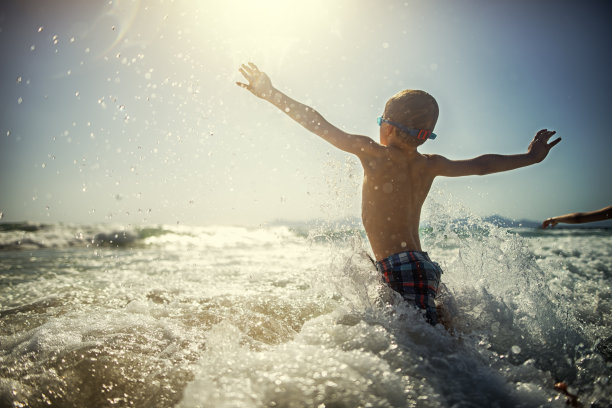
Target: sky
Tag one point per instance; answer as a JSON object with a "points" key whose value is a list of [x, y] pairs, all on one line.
{"points": [[127, 111]]}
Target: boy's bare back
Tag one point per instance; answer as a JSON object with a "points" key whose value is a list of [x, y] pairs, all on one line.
{"points": [[395, 184], [397, 178]]}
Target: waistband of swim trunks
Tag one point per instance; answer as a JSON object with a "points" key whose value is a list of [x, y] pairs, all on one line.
{"points": [[403, 257]]}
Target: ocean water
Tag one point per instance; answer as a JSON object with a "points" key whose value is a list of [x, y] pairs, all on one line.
{"points": [[296, 316]]}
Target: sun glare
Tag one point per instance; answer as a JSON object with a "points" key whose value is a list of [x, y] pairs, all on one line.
{"points": [[269, 23], [271, 17], [263, 30]]}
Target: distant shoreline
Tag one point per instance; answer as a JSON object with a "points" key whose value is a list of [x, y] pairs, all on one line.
{"points": [[498, 221]]}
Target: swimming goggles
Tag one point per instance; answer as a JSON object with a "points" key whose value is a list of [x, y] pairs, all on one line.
{"points": [[418, 133]]}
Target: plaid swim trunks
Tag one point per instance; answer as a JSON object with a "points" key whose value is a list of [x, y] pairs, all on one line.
{"points": [[413, 275]]}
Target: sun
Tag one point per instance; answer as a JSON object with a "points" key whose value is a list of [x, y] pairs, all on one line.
{"points": [[260, 20], [271, 17], [263, 30]]}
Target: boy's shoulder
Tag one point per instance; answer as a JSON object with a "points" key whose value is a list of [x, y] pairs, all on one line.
{"points": [[426, 164], [399, 155], [433, 157], [435, 162], [416, 156]]}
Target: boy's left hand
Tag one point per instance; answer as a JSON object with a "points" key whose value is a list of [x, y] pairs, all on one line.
{"points": [[539, 146]]}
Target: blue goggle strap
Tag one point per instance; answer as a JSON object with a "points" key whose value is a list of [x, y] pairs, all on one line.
{"points": [[418, 133]]}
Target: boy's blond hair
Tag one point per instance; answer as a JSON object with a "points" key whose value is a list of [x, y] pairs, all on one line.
{"points": [[414, 109]]}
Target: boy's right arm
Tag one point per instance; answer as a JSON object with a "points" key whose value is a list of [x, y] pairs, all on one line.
{"points": [[261, 86], [494, 163]]}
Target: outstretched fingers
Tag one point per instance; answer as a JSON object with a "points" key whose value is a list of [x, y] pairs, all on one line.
{"points": [[250, 72], [253, 67], [554, 143], [246, 72], [544, 136], [257, 82]]}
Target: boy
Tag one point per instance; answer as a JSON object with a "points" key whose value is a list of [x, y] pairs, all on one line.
{"points": [[397, 179]]}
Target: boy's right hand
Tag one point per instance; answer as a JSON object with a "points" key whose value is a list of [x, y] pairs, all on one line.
{"points": [[259, 83], [539, 147]]}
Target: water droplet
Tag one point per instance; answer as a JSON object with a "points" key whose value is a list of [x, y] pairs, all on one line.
{"points": [[19, 100], [18, 80], [32, 47], [403, 244], [516, 349], [40, 29], [385, 45]]}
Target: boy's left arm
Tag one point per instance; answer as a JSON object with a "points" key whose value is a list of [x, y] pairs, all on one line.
{"points": [[494, 163]]}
